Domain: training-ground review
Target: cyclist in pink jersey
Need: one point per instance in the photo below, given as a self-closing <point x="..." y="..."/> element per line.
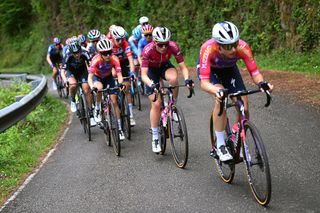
<point x="156" y="65"/>
<point x="100" y="76"/>
<point x="218" y="70"/>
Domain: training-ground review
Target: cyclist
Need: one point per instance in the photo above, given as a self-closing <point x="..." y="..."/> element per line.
<point x="94" y="37"/>
<point x="75" y="65"/>
<point x="133" y="42"/>
<point x="218" y="70"/>
<point x="146" y="39"/>
<point x="54" y="58"/>
<point x="142" y="21"/>
<point x="155" y="65"/>
<point x="122" y="50"/>
<point x="100" y="76"/>
<point x="83" y="41"/>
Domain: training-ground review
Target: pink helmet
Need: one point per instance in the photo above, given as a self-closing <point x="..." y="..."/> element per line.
<point x="147" y="29"/>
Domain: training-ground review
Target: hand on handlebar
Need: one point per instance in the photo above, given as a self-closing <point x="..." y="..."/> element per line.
<point x="155" y="87"/>
<point x="222" y="93"/>
<point x="122" y="86"/>
<point x="189" y="83"/>
<point x="94" y="90"/>
<point x="265" y="86"/>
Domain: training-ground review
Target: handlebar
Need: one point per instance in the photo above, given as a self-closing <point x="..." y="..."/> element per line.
<point x="224" y="104"/>
<point x="164" y="90"/>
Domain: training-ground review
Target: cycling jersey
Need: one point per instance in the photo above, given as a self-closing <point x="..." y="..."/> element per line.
<point x="74" y="65"/>
<point x="122" y="52"/>
<point x="152" y="58"/>
<point x="55" y="54"/>
<point x="91" y="50"/>
<point x="133" y="45"/>
<point x="142" y="43"/>
<point x="138" y="27"/>
<point x="65" y="49"/>
<point x="211" y="58"/>
<point x="102" y="68"/>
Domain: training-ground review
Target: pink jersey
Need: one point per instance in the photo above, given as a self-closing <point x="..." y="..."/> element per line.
<point x="102" y="68"/>
<point x="152" y="58"/>
<point x="210" y="57"/>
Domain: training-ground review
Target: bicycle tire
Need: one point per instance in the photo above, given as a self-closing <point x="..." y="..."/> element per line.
<point x="106" y="127"/>
<point x="82" y="114"/>
<point x="137" y="95"/>
<point x="58" y="84"/>
<point x="256" y="161"/>
<point x="125" y="116"/>
<point x="163" y="137"/>
<point x="225" y="170"/>
<point x="86" y="116"/>
<point x="114" y="131"/>
<point x="178" y="130"/>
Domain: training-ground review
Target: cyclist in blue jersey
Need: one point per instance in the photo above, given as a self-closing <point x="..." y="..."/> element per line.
<point x="146" y="39"/>
<point x="94" y="37"/>
<point x="133" y="42"/>
<point x="54" y="58"/>
<point x="142" y="21"/>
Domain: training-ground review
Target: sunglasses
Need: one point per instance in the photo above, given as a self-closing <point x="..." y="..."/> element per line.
<point x="229" y="46"/>
<point x="119" y="39"/>
<point x="163" y="45"/>
<point x="75" y="53"/>
<point x="57" y="44"/>
<point x="106" y="53"/>
<point x="148" y="35"/>
<point x="145" y="23"/>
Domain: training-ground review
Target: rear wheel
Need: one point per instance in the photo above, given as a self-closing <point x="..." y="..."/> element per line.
<point x="163" y="137"/>
<point x="226" y="170"/>
<point x="257" y="164"/>
<point x="86" y="117"/>
<point x="125" y="117"/>
<point x="179" y="138"/>
<point x="82" y="115"/>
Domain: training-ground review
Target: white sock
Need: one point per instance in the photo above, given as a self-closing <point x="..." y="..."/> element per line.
<point x="220" y="138"/>
<point x="98" y="105"/>
<point x="119" y="124"/>
<point x="155" y="133"/>
<point x="130" y="109"/>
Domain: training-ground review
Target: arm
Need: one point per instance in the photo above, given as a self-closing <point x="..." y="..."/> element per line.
<point x="90" y="80"/>
<point x="131" y="64"/>
<point x="184" y="70"/>
<point x="49" y="61"/>
<point x="144" y="76"/>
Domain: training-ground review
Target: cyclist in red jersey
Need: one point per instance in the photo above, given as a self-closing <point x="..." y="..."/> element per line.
<point x="156" y="65"/>
<point x="218" y="70"/>
<point x="122" y="50"/>
<point x="100" y="75"/>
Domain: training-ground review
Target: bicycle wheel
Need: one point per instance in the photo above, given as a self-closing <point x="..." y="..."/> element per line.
<point x="59" y="85"/>
<point x="179" y="138"/>
<point x="114" y="130"/>
<point x="106" y="127"/>
<point x="125" y="116"/>
<point x="226" y="170"/>
<point x="163" y="137"/>
<point x="257" y="164"/>
<point x="86" y="117"/>
<point x="137" y="95"/>
<point x="82" y="113"/>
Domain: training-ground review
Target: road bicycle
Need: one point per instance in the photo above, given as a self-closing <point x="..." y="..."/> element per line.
<point x="83" y="111"/>
<point x="245" y="145"/>
<point x="135" y="91"/>
<point x="109" y="120"/>
<point x="176" y="130"/>
<point x="63" y="91"/>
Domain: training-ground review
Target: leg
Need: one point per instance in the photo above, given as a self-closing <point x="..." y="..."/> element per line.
<point x="171" y="75"/>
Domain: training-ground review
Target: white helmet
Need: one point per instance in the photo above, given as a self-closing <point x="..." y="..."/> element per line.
<point x="118" y="32"/>
<point x="143" y="19"/>
<point x="161" y="34"/>
<point x="225" y="33"/>
<point x="104" y="45"/>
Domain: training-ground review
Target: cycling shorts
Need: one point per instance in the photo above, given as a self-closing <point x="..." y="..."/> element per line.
<point x="125" y="68"/>
<point x="79" y="76"/>
<point x="106" y="81"/>
<point x="156" y="73"/>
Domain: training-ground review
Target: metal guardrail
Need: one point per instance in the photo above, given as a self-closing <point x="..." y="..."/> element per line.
<point x="10" y="115"/>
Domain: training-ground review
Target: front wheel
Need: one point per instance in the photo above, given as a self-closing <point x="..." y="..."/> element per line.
<point x="114" y="131"/>
<point x="86" y="117"/>
<point x="179" y="138"/>
<point x="125" y="116"/>
<point x="257" y="164"/>
<point x="225" y="170"/>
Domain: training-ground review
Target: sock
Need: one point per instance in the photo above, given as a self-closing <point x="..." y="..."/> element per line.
<point x="73" y="99"/>
<point x="98" y="105"/>
<point x="119" y="124"/>
<point x="130" y="109"/>
<point x="220" y="138"/>
<point x="155" y="133"/>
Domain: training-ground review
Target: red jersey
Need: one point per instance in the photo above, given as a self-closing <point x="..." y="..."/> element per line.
<point x="122" y="52"/>
<point x="154" y="59"/>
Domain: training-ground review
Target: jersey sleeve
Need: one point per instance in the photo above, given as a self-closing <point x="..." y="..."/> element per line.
<point x="127" y="48"/>
<point x="93" y="66"/>
<point x="176" y="52"/>
<point x="245" y="54"/>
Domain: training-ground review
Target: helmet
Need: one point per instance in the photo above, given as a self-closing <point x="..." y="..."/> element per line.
<point x="225" y="33"/>
<point x="74" y="47"/>
<point x="56" y="40"/>
<point x="104" y="45"/>
<point x="94" y="35"/>
<point x="161" y="34"/>
<point x="73" y="39"/>
<point x="68" y="41"/>
<point x="143" y="19"/>
<point x="147" y="29"/>
<point x="136" y="32"/>
<point x="118" y="32"/>
<point x="81" y="38"/>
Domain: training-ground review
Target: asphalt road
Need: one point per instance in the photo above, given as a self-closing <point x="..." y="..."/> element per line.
<point x="83" y="176"/>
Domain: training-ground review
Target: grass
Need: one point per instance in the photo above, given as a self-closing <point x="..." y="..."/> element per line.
<point x="22" y="146"/>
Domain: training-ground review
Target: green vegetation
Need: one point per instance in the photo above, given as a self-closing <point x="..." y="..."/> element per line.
<point x="22" y="145"/>
<point x="8" y="94"/>
<point x="28" y="26"/>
